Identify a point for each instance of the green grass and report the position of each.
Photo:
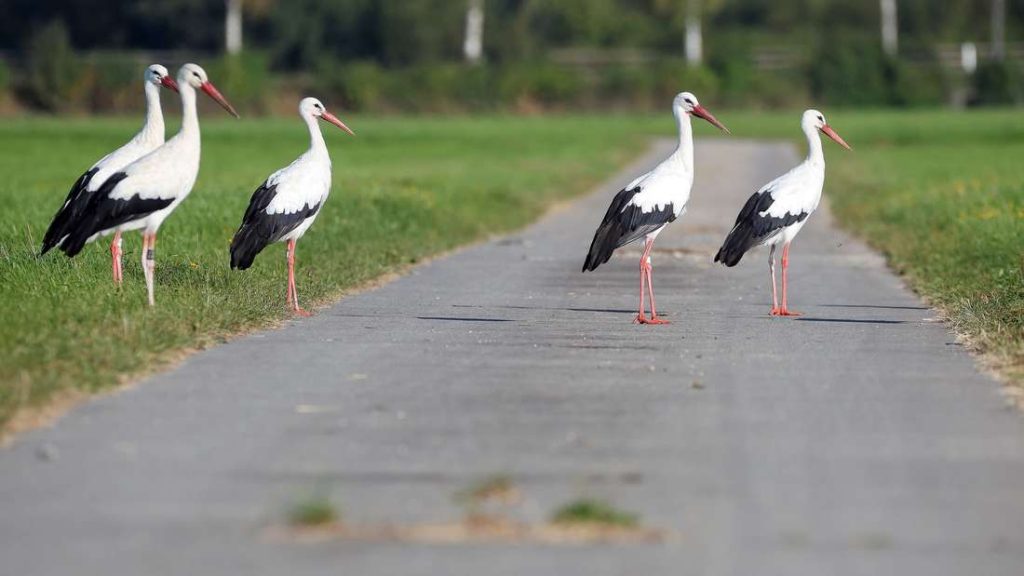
(940, 193)
(314, 511)
(594, 512)
(404, 189)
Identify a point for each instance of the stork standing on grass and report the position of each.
(144, 193)
(776, 213)
(648, 204)
(148, 139)
(287, 203)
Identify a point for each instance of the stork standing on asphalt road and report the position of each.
(776, 213)
(648, 204)
(148, 139)
(144, 193)
(288, 202)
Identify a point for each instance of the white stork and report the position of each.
(148, 139)
(145, 192)
(287, 203)
(648, 204)
(776, 213)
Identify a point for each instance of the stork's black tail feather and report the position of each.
(94, 215)
(605, 242)
(70, 211)
(74, 242)
(246, 244)
(625, 222)
(742, 238)
(609, 233)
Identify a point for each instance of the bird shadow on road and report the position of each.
(851, 321)
(604, 310)
(457, 319)
(513, 307)
(874, 306)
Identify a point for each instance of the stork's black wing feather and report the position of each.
(259, 229)
(70, 210)
(623, 223)
(754, 227)
(104, 213)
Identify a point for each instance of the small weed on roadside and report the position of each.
(313, 512)
(595, 513)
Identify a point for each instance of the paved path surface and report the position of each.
(859, 439)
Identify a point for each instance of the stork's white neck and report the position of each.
(189, 114)
(814, 152)
(317, 145)
(684, 153)
(153, 128)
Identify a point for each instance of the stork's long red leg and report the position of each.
(785, 273)
(771, 270)
(291, 281)
(648, 269)
(291, 273)
(641, 317)
(288, 259)
(645, 276)
(149, 263)
(115, 257)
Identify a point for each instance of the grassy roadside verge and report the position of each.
(404, 189)
(941, 194)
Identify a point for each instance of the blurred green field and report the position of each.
(940, 193)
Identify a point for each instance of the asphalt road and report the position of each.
(859, 439)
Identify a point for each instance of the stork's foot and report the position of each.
(302, 313)
(784, 312)
(641, 319)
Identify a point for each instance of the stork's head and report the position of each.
(815, 120)
(686, 103)
(312, 107)
(194, 76)
(158, 75)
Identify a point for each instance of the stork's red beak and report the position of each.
(328, 117)
(169, 83)
(212, 92)
(828, 131)
(702, 112)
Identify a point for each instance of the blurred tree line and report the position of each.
(407, 54)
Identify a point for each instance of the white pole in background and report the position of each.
(473, 46)
(890, 28)
(233, 26)
(694, 39)
(969, 57)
